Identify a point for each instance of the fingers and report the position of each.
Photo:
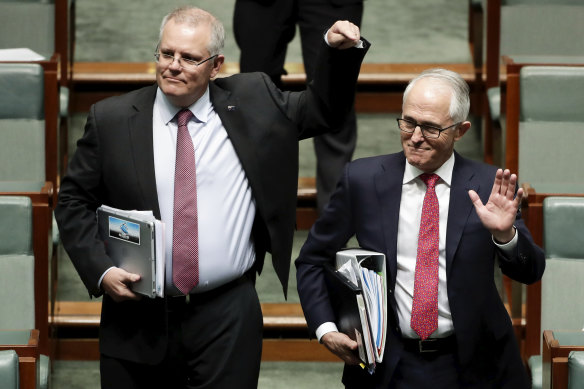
(342, 346)
(505, 184)
(343, 34)
(117, 282)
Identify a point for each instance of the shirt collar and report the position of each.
(445, 171)
(168, 111)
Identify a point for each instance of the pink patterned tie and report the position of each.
(185, 244)
(425, 306)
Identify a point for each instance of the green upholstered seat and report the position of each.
(576, 370)
(562, 283)
(539, 31)
(551, 123)
(9, 369)
(17, 297)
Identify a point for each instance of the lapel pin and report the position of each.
(231, 107)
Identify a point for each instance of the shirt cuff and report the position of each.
(509, 247)
(325, 328)
(101, 278)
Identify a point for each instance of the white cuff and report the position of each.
(325, 328)
(509, 247)
(103, 275)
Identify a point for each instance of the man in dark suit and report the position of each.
(467, 339)
(242, 135)
(263, 29)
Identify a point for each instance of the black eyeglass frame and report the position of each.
(192, 62)
(424, 128)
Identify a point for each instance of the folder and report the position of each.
(358, 289)
(134, 240)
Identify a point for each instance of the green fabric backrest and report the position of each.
(22, 87)
(16, 225)
(563, 227)
(22, 124)
(9, 369)
(17, 292)
(552, 93)
(576, 370)
(562, 288)
(22, 150)
(550, 156)
(28, 24)
(552, 29)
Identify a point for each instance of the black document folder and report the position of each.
(357, 286)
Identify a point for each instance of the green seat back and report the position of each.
(563, 280)
(22, 124)
(551, 123)
(16, 263)
(576, 370)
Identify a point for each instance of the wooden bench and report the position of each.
(76, 327)
(380, 85)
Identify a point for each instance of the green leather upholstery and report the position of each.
(9, 369)
(576, 370)
(552, 93)
(17, 309)
(561, 286)
(23, 91)
(551, 119)
(22, 122)
(16, 263)
(536, 370)
(542, 29)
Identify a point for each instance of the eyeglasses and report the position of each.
(428, 131)
(184, 62)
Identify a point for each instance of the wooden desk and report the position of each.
(26, 345)
(557, 347)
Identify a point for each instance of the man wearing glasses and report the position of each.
(443, 225)
(217, 162)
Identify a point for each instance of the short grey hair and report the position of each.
(460, 97)
(194, 17)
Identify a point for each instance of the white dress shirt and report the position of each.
(225, 205)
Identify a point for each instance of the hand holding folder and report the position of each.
(358, 289)
(134, 240)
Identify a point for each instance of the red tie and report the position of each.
(425, 306)
(185, 244)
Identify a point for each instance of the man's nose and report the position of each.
(417, 135)
(175, 64)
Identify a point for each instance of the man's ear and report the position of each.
(217, 63)
(461, 130)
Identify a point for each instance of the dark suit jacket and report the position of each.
(366, 204)
(114, 165)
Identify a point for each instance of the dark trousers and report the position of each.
(215, 341)
(263, 29)
(426, 371)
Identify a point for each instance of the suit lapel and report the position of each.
(460, 206)
(388, 186)
(228, 109)
(141, 147)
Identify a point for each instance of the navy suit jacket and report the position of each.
(114, 165)
(366, 204)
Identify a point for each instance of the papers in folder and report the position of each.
(359, 296)
(134, 240)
